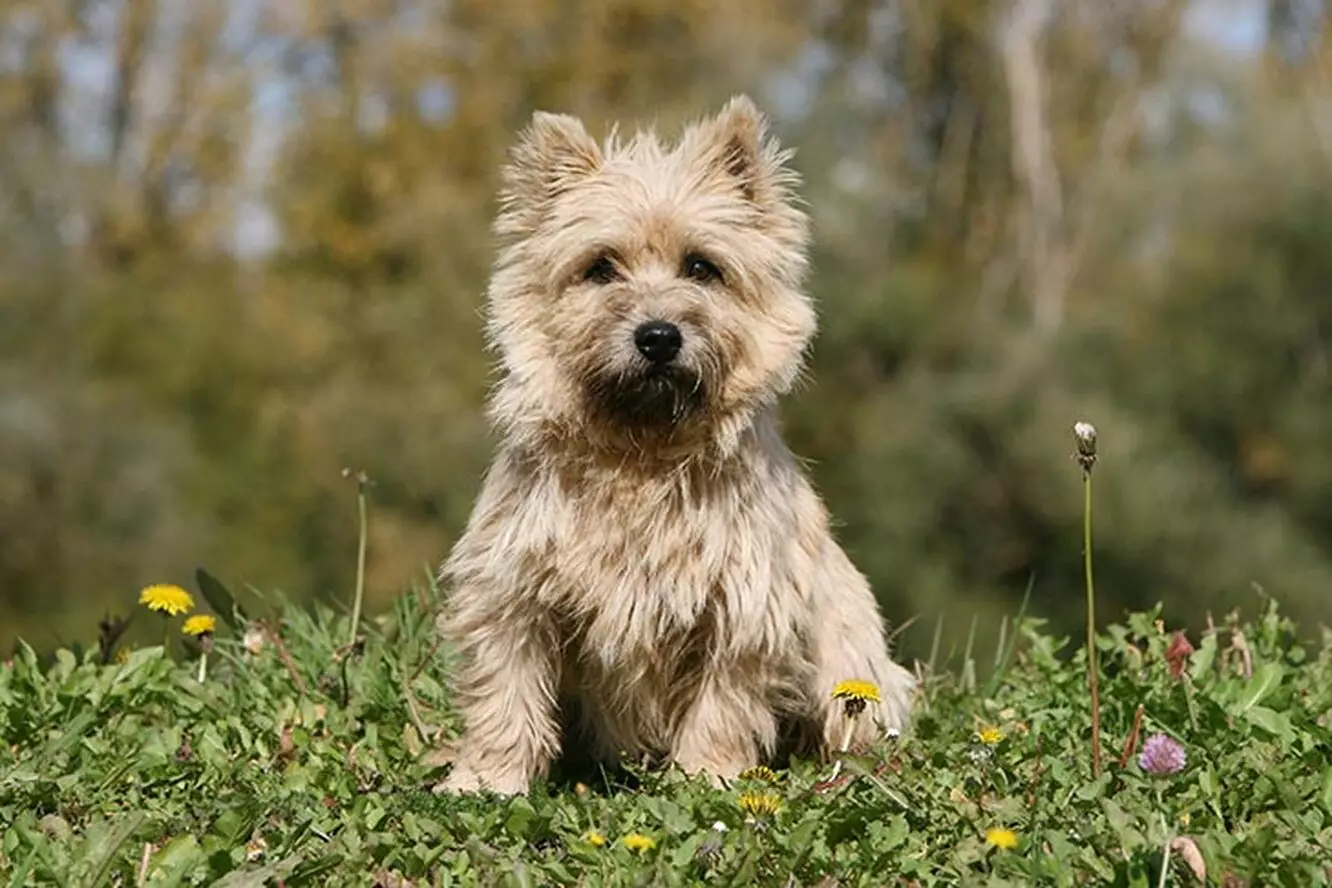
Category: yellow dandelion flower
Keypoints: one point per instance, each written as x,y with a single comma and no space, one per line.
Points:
759,772
760,804
595,838
856,689
856,693
199,624
998,837
990,735
639,842
166,598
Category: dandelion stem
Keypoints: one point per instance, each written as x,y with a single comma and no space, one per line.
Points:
203,667
846,744
1091,621
360,558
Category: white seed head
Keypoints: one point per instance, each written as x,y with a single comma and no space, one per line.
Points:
719,827
1085,435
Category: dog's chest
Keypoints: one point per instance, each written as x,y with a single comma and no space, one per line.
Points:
643,566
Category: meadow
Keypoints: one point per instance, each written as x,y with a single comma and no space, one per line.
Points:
293,756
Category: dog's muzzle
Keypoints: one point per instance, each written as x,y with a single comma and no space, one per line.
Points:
655,396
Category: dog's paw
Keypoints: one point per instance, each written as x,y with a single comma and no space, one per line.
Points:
717,773
463,779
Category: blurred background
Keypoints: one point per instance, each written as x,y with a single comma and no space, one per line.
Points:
243,245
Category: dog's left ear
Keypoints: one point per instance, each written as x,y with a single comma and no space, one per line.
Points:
736,143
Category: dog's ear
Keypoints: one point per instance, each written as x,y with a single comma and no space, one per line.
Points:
552,153
736,144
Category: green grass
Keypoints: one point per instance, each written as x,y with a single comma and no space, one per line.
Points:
248,780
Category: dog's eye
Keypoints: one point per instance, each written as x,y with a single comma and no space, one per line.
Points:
601,271
697,268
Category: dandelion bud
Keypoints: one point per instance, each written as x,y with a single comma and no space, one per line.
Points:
1084,433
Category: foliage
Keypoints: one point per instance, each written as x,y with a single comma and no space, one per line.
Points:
302,764
244,245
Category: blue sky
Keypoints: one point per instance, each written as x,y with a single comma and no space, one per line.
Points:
1237,25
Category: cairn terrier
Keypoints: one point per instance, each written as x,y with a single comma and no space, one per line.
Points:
646,568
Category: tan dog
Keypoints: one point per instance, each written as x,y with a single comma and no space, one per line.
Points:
645,551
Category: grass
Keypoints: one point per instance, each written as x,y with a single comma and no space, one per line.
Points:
296,760
300,766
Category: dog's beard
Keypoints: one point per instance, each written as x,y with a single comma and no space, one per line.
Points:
646,399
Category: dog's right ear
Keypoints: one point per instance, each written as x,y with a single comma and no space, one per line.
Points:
552,153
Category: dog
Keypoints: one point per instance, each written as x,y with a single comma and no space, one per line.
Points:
646,567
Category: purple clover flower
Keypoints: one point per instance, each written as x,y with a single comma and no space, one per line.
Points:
1162,755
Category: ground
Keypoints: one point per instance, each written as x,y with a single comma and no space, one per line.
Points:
299,764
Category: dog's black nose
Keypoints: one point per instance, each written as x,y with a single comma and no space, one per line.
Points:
658,341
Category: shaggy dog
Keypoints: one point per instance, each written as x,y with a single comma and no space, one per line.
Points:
646,566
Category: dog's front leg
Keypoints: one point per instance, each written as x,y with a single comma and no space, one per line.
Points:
506,693
728,727
849,642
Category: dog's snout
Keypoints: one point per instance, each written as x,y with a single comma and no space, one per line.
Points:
658,341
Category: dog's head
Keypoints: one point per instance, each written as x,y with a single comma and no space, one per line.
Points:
648,294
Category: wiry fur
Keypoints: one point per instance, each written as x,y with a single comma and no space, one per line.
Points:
645,550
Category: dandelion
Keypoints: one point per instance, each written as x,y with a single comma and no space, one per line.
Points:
201,627
1162,755
595,839
857,694
1084,433
166,599
759,772
639,842
1003,839
760,804
989,735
